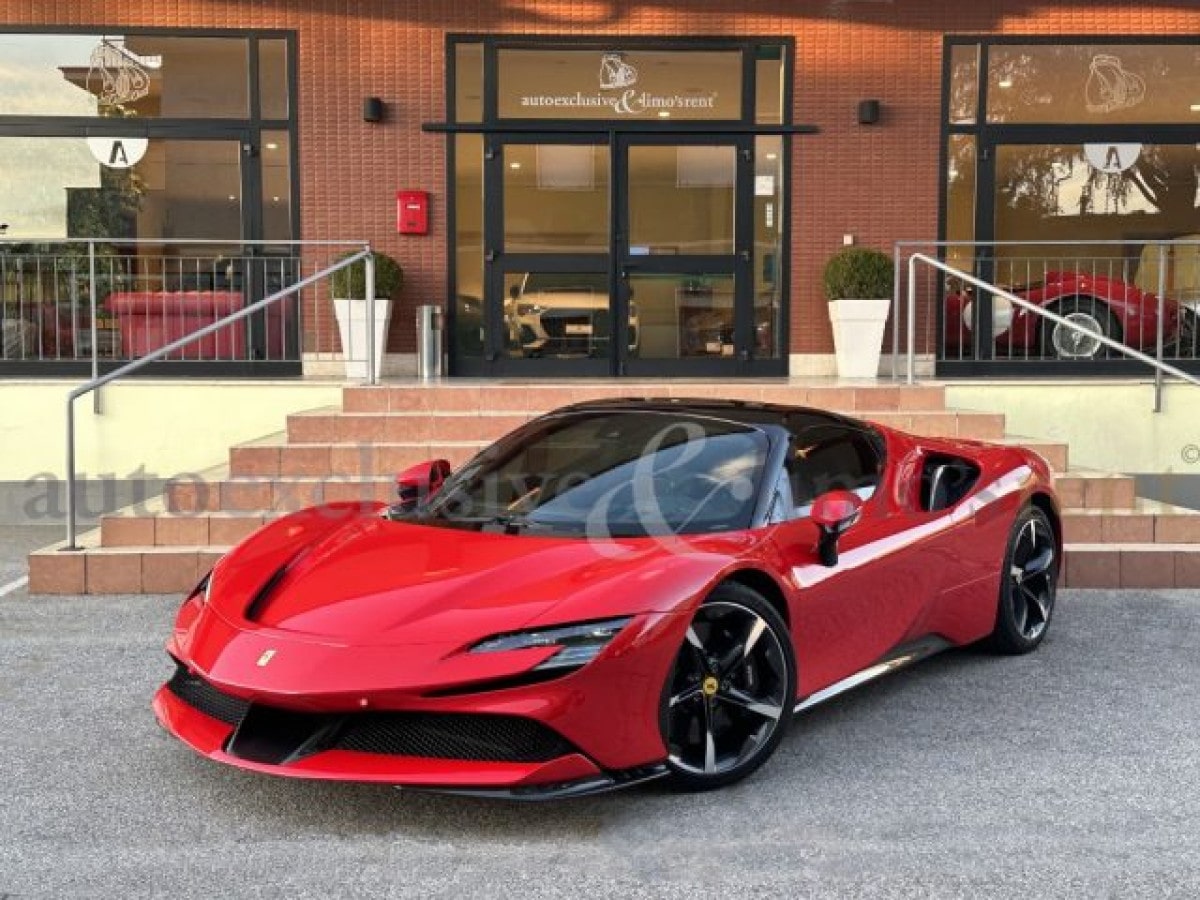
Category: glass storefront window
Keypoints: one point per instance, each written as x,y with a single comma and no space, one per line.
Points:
682,316
124,75
468,82
960,199
681,199
769,72
964,83
768,245
276,186
273,79
1093,83
557,314
59,187
619,84
556,198
468,245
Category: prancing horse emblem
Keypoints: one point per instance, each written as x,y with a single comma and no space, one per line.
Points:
267,656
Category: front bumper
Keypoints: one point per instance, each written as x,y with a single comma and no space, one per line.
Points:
523,760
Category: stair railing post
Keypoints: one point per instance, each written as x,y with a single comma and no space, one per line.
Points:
911,377
370,287
1162,293
96,405
71,474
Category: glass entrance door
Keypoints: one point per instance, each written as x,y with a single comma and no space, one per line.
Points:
652,255
547,250
683,255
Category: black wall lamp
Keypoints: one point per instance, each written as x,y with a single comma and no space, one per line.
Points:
868,112
373,109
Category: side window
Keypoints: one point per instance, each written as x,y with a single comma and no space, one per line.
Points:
832,457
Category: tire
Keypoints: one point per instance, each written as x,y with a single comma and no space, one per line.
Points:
1028,585
1186,337
1060,342
725,706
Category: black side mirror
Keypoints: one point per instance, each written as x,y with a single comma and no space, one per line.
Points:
834,513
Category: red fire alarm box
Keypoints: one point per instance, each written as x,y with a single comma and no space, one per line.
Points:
412,212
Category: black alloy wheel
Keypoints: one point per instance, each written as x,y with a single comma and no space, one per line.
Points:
1028,584
729,698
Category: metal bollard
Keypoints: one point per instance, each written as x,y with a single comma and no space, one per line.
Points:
429,343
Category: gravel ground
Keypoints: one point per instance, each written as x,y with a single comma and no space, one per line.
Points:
1073,772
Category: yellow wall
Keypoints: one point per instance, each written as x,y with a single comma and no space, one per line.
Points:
167,427
1109,425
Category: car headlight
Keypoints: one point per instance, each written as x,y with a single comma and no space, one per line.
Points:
579,644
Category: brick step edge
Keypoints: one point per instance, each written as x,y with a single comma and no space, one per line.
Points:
175,570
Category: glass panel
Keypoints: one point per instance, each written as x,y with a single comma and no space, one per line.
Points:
1094,83
681,199
557,314
768,87
272,79
468,82
768,245
277,186
960,199
1133,193
468,244
123,75
556,198
615,84
964,83
677,316
121,187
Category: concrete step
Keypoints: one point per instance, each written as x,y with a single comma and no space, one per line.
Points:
538,397
1133,565
119,570
336,427
1082,489
344,460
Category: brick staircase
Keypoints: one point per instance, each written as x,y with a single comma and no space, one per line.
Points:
1115,539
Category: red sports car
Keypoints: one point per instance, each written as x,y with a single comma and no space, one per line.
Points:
617,591
1104,306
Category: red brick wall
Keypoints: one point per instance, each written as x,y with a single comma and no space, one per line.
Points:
879,183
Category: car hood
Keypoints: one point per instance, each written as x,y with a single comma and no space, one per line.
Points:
371,580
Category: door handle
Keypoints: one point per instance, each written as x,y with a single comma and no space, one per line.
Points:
490,256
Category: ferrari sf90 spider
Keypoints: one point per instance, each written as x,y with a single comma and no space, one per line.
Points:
617,591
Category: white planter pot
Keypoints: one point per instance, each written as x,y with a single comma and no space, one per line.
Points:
858,335
351,317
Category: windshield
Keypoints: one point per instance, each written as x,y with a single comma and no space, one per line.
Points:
610,474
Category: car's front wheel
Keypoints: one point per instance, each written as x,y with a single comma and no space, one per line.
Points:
729,698
1028,584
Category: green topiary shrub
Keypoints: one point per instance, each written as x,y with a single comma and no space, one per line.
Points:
860,273
352,280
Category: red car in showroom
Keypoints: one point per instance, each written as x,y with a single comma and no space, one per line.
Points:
1102,305
615,592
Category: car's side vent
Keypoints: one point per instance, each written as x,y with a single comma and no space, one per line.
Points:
945,480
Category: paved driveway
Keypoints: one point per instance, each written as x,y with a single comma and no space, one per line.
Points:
1072,772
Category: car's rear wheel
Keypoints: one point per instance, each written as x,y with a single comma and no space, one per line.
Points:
1028,584
729,698
1090,314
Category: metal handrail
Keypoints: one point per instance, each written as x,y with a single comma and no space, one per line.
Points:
365,255
1161,368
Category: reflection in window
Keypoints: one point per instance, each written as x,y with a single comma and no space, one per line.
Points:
960,199
769,74
682,316
276,186
468,82
1093,83
272,79
681,199
556,198
964,83
130,75
468,245
768,245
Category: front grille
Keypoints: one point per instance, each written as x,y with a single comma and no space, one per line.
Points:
198,693
273,735
481,738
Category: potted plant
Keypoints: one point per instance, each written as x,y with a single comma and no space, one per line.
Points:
858,284
349,289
